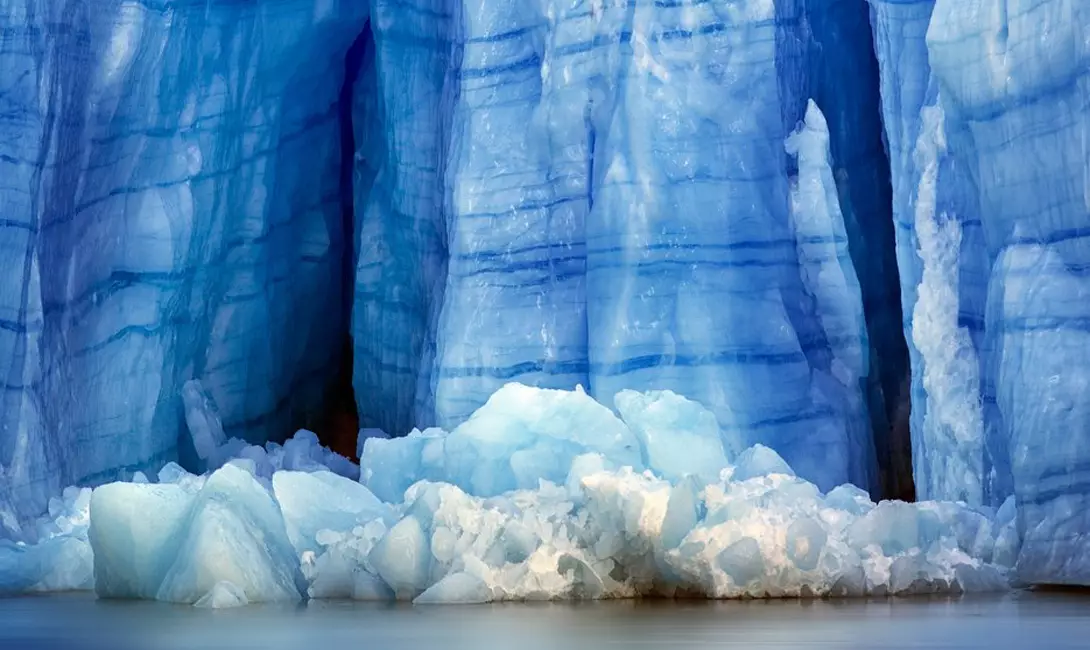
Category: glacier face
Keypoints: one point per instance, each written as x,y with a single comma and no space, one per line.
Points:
600,196
683,195
156,226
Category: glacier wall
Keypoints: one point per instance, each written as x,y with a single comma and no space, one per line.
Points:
599,194
988,120
158,223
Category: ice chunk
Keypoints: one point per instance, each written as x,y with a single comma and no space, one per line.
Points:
759,460
742,561
456,588
521,436
367,434
312,502
162,542
403,557
677,436
389,466
134,534
223,595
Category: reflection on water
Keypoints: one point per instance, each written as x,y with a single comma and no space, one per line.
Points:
1020,620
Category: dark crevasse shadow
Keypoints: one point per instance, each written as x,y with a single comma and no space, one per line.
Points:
338,426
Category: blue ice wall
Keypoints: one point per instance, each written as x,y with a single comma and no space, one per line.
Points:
1017,78
987,107
169,209
600,194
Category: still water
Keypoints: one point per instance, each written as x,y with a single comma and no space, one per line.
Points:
1034,621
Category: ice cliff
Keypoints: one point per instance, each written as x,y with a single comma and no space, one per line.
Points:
987,108
799,215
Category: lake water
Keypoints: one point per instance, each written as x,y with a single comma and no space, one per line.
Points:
1024,620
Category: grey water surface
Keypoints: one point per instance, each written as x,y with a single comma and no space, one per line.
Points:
1031,620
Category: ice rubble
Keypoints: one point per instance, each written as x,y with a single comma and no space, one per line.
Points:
602,522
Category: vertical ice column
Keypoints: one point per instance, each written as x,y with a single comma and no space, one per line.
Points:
514,304
693,278
403,104
953,415
830,280
907,88
843,79
1018,73
160,226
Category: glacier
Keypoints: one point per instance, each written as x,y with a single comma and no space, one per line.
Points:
766,261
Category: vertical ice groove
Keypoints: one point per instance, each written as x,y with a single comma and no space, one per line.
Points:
842,48
908,88
400,109
951,371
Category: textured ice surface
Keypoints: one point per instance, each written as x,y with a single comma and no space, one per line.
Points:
606,529
156,225
61,560
987,106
